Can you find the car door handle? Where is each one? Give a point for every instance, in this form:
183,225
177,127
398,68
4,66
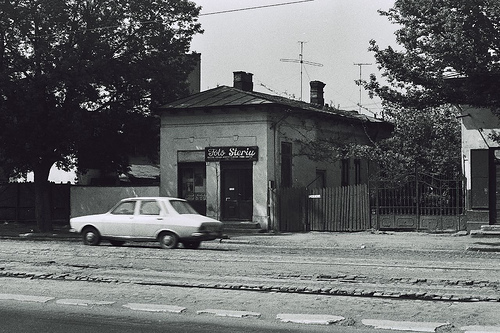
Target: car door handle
159,218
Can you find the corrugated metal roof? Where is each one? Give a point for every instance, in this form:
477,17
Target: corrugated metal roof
224,96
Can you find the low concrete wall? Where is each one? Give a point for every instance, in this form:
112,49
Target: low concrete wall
86,200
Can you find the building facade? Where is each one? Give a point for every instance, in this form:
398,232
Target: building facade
481,165
227,148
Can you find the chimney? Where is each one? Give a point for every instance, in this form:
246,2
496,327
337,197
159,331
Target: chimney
243,81
317,92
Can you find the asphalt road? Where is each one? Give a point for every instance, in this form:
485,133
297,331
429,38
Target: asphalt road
292,276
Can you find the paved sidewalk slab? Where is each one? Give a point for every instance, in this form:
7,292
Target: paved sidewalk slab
82,302
315,319
229,313
403,325
155,307
480,329
25,298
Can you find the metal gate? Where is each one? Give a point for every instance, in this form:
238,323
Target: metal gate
418,202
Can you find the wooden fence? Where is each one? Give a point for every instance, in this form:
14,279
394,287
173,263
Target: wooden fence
17,202
328,209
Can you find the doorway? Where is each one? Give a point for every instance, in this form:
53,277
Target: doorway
237,191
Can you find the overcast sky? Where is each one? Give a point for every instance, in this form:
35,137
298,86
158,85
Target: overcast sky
336,34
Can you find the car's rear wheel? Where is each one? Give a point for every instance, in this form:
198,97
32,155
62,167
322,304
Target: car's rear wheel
116,242
192,245
168,240
91,236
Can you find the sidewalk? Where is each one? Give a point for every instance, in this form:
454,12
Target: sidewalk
14,230
384,240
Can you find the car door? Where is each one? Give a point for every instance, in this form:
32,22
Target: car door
149,219
120,221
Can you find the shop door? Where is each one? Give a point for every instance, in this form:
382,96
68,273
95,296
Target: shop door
237,192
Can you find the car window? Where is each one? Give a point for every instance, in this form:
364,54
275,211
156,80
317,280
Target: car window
150,208
124,208
182,207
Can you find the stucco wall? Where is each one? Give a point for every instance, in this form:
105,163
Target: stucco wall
195,131
477,126
301,131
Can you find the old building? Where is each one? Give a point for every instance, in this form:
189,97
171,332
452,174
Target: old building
226,148
481,164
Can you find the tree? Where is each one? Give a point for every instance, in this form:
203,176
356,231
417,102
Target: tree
441,39
424,140
67,65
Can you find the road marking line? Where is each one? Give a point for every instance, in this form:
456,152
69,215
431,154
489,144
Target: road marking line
25,298
154,307
403,325
229,313
481,329
316,319
82,302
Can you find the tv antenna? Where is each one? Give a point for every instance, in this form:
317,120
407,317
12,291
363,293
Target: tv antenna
302,62
360,64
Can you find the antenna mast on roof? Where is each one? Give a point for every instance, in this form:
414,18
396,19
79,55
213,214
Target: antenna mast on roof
360,64
302,62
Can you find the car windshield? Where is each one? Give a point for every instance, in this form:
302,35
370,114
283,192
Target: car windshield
182,207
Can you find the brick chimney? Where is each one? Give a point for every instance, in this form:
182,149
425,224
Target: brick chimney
243,81
317,92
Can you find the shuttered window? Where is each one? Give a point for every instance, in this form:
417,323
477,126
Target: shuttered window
479,178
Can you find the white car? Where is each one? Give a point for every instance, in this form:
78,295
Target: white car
169,221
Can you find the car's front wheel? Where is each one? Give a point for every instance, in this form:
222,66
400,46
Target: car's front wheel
91,236
168,240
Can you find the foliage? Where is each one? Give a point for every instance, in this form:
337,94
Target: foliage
440,39
77,76
424,140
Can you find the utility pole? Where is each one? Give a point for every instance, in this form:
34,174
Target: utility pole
302,62
360,64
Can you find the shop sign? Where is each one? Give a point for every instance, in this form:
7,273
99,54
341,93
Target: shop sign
231,153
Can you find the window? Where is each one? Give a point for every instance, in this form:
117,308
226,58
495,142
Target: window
344,170
479,166
192,177
150,208
357,171
320,178
286,164
182,207
124,208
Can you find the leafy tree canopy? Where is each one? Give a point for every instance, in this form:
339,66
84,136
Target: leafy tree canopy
76,74
441,39
424,140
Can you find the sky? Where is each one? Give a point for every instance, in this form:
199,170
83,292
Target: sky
336,34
